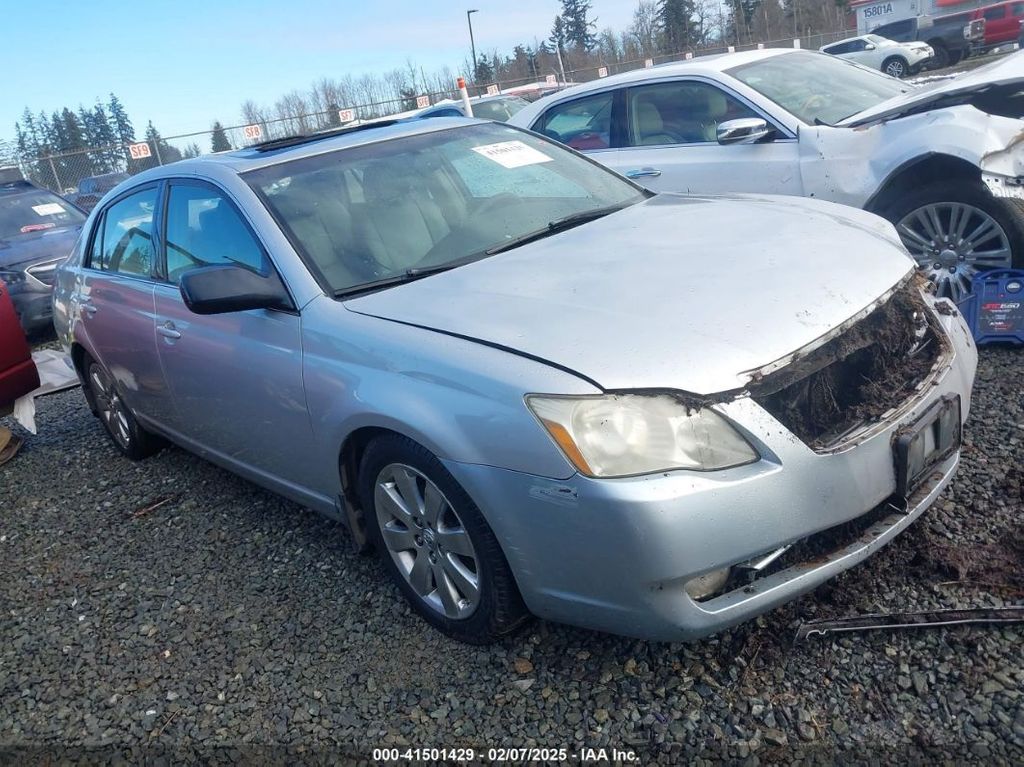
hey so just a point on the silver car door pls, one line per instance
(236, 377)
(671, 143)
(113, 301)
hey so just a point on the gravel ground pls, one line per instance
(227, 616)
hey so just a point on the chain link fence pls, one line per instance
(85, 175)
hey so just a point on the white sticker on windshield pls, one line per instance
(49, 209)
(512, 154)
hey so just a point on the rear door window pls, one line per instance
(124, 244)
(995, 13)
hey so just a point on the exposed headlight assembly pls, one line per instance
(619, 435)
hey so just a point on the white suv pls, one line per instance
(895, 59)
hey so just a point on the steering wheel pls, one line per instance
(817, 101)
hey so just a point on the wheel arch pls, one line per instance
(79, 354)
(921, 170)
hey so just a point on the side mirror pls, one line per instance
(224, 288)
(746, 130)
(869, 47)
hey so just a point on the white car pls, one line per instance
(877, 52)
(944, 162)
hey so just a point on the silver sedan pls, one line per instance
(533, 386)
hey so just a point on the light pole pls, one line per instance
(472, 44)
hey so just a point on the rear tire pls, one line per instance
(896, 66)
(942, 57)
(435, 543)
(129, 437)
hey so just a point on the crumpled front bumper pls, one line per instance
(616, 555)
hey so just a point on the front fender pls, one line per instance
(851, 165)
(461, 400)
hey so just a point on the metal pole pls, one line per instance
(56, 180)
(472, 43)
(561, 66)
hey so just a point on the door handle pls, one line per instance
(167, 330)
(643, 173)
(88, 308)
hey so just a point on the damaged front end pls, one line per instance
(865, 373)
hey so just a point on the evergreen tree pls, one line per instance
(484, 69)
(219, 140)
(579, 27)
(557, 40)
(675, 20)
(192, 150)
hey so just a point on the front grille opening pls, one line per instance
(855, 378)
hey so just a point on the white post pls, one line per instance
(796, 43)
(466, 105)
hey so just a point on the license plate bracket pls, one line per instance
(926, 442)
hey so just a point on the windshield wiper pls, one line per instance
(558, 225)
(409, 275)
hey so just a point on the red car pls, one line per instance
(1002, 21)
(18, 374)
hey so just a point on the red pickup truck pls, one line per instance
(1002, 21)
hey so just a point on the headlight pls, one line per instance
(618, 435)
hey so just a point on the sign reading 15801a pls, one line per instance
(882, 9)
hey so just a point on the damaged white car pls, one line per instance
(944, 163)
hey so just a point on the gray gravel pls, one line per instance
(227, 616)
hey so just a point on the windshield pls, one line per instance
(877, 40)
(374, 212)
(817, 88)
(35, 210)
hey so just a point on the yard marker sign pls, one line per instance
(492, 90)
(252, 132)
(422, 102)
(551, 80)
(602, 71)
(139, 151)
(346, 115)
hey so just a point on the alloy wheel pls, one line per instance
(952, 241)
(427, 541)
(896, 68)
(110, 406)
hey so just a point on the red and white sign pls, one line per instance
(252, 132)
(689, 55)
(422, 102)
(139, 151)
(648, 63)
(602, 71)
(731, 49)
(760, 46)
(346, 115)
(551, 80)
(492, 90)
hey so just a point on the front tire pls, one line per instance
(896, 66)
(436, 544)
(128, 436)
(954, 229)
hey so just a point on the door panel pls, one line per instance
(236, 378)
(237, 385)
(113, 301)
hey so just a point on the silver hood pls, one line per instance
(999, 79)
(676, 292)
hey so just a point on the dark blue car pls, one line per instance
(37, 231)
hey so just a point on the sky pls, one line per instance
(186, 63)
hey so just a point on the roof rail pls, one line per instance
(307, 138)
